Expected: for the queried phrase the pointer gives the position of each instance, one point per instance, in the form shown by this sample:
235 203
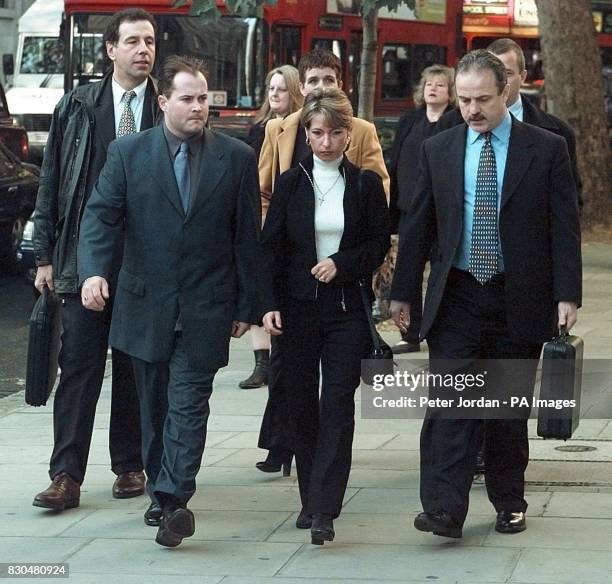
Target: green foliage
208 8
368 5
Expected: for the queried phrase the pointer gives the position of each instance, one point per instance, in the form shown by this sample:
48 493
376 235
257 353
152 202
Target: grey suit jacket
201 265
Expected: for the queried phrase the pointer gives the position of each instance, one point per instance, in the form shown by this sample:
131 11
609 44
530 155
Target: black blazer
288 246
536 117
538 227
201 265
404 127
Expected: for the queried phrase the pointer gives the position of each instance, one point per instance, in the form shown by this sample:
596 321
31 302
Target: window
42 55
286 46
402 66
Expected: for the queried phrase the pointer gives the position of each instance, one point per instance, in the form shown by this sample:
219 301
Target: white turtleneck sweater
329 209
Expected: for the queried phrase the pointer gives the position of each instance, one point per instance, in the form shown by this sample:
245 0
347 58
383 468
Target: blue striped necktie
485 236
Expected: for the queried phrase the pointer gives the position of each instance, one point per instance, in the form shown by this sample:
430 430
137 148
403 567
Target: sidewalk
245 532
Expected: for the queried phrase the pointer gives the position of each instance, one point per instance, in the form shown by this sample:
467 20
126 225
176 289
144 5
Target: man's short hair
332 104
482 59
318 59
111 34
174 65
503 46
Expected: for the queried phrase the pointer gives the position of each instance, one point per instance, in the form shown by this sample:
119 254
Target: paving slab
48 550
587 505
558 533
444 562
210 525
383 528
212 558
566 566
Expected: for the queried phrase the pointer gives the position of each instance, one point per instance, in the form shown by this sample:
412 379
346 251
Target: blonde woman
327 229
284 98
434 96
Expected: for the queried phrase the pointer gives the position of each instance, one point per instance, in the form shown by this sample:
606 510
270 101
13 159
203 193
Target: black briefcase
561 380
43 348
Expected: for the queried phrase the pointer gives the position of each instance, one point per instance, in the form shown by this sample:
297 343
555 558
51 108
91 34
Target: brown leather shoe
129 484
63 493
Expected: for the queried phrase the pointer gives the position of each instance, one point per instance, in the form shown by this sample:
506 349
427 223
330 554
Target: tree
209 8
574 92
369 50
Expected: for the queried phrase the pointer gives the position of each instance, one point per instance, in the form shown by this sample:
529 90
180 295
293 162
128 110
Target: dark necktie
181 171
483 251
127 123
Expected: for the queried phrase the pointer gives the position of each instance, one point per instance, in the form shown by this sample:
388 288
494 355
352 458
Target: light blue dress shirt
500 140
516 109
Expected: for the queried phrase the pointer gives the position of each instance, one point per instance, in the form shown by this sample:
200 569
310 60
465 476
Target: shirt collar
174 142
501 132
118 91
516 109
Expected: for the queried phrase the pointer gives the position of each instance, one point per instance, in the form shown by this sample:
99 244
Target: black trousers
174 412
82 360
320 335
274 431
471 324
416 308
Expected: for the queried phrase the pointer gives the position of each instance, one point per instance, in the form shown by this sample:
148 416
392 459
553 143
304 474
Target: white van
38 82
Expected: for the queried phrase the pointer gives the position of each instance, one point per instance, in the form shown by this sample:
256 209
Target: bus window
233 50
425 55
89 59
337 47
286 45
395 76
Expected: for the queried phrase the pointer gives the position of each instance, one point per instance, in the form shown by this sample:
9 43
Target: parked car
12 135
25 253
18 188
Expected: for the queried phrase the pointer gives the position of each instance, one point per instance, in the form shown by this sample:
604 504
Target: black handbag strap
368 310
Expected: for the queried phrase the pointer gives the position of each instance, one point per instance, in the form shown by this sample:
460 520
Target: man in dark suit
187 282
524 110
84 123
498 197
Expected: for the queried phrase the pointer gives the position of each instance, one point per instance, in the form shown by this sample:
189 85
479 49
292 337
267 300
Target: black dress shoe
509 522
277 458
153 515
176 524
322 529
439 523
304 520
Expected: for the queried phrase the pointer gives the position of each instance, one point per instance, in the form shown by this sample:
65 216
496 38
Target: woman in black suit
327 229
433 96
283 98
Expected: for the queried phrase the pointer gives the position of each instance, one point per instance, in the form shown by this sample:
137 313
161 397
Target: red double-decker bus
239 51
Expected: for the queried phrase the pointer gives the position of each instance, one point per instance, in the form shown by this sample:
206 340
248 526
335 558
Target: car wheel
10 238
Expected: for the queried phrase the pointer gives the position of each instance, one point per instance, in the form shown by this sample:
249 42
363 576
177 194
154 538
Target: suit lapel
212 168
286 140
520 155
104 116
162 169
455 167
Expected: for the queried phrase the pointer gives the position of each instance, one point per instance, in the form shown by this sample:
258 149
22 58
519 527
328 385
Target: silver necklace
316 187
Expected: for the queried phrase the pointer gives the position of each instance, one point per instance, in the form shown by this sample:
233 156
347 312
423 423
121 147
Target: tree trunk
367 73
574 92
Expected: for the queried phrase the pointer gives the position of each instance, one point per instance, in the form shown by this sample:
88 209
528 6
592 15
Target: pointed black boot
322 529
278 458
259 377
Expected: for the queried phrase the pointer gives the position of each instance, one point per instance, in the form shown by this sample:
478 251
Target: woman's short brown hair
332 104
